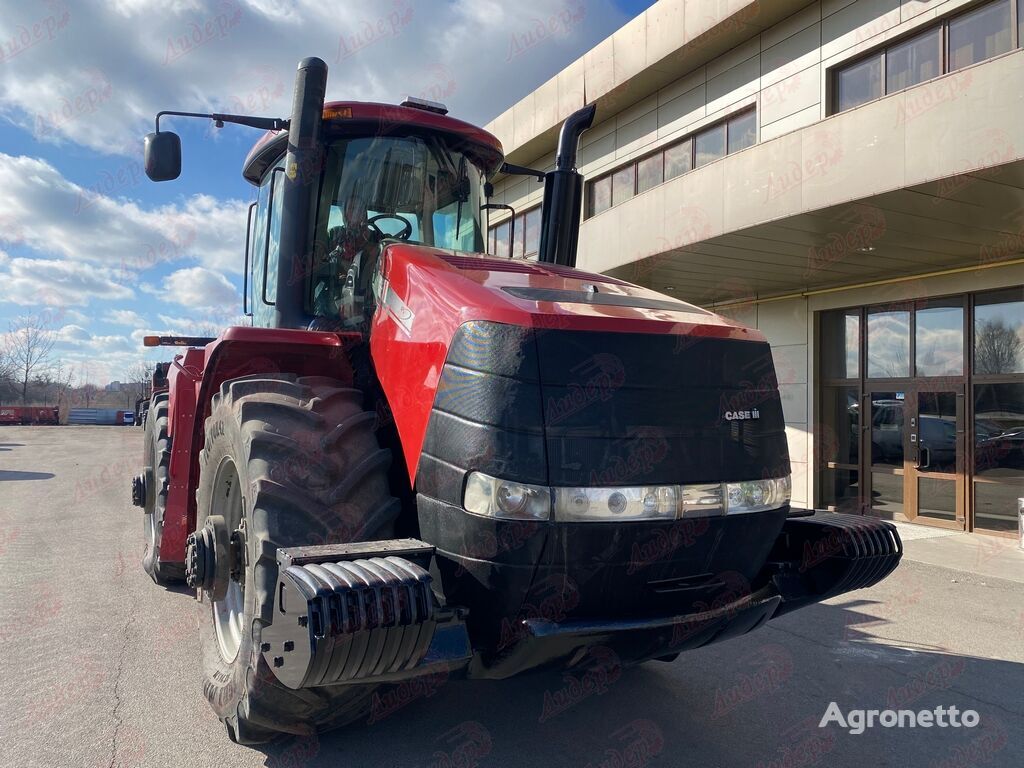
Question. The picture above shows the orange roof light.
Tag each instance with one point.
(151, 341)
(337, 113)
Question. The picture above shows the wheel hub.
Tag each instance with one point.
(207, 565)
(139, 490)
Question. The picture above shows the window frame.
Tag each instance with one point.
(881, 51)
(970, 380)
(520, 230)
(691, 138)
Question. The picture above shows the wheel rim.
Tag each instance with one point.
(228, 614)
(149, 530)
(148, 526)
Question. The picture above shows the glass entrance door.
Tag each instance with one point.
(935, 485)
(915, 454)
(886, 437)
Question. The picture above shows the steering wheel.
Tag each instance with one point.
(404, 234)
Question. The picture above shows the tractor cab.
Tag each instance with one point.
(386, 173)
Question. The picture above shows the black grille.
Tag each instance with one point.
(567, 408)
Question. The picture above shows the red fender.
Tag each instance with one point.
(196, 376)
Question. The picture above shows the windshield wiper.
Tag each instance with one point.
(463, 184)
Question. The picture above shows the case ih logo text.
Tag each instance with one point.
(742, 415)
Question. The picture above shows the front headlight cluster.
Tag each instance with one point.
(508, 500)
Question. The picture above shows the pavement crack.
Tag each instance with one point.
(116, 711)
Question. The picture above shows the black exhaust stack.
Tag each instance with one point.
(563, 194)
(301, 184)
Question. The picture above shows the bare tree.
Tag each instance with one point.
(29, 343)
(61, 378)
(139, 378)
(140, 373)
(85, 389)
(998, 348)
(7, 386)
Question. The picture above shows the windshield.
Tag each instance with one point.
(411, 188)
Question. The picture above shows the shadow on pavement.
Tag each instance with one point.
(8, 446)
(756, 700)
(11, 474)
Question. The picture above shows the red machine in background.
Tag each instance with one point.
(424, 461)
(29, 414)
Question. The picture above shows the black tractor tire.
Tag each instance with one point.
(297, 462)
(157, 452)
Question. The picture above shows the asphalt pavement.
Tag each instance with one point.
(100, 666)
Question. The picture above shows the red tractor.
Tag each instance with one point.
(421, 461)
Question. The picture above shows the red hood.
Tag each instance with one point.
(479, 288)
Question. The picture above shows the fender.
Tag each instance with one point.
(198, 374)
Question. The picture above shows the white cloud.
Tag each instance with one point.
(201, 289)
(57, 217)
(113, 66)
(73, 333)
(57, 283)
(124, 317)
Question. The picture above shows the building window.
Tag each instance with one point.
(730, 135)
(858, 83)
(939, 338)
(980, 34)
(971, 37)
(922, 428)
(742, 131)
(914, 61)
(840, 344)
(679, 158)
(527, 236)
(888, 344)
(998, 454)
(531, 232)
(650, 172)
(599, 196)
(623, 184)
(500, 248)
(999, 333)
(709, 145)
(1020, 23)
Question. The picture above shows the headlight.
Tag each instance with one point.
(491, 497)
(505, 499)
(756, 495)
(702, 500)
(655, 502)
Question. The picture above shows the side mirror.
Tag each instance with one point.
(163, 156)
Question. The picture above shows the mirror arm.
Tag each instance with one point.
(266, 123)
(519, 170)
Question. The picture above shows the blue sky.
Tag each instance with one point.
(110, 256)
